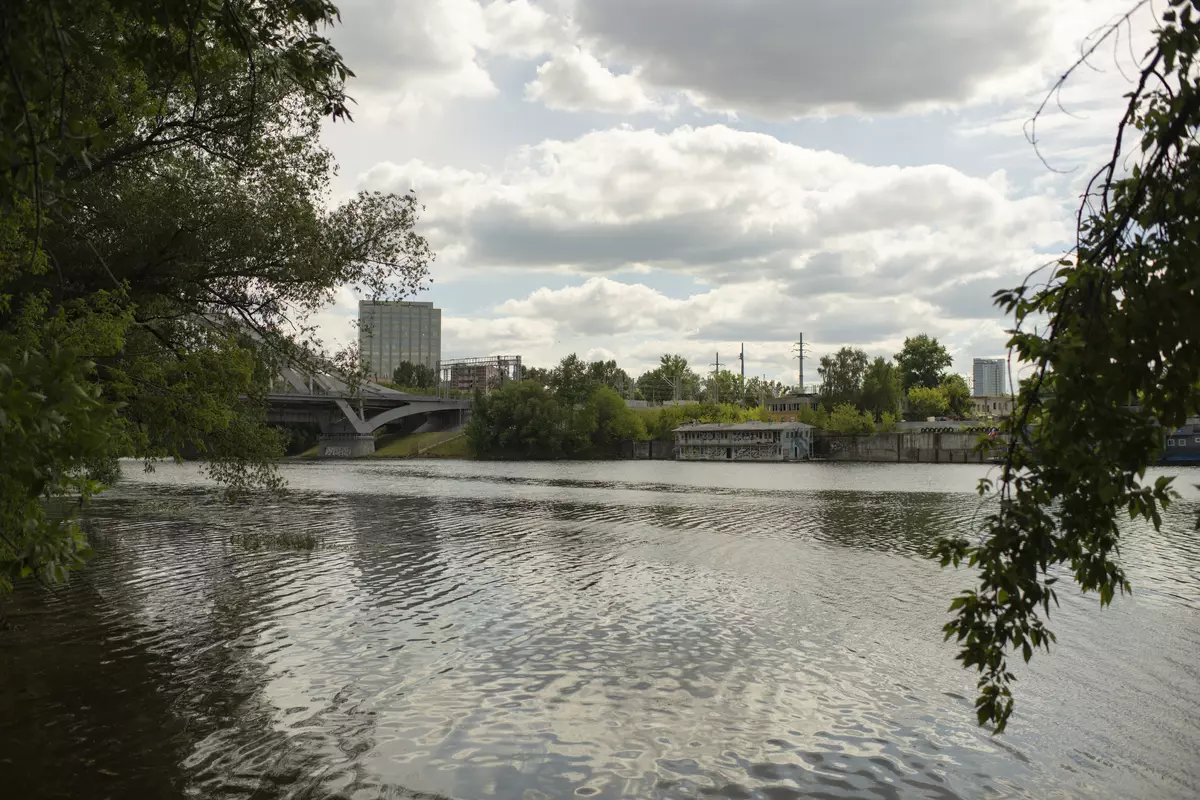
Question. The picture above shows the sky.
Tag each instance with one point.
(627, 178)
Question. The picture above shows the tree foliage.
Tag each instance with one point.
(166, 234)
(520, 419)
(661, 423)
(523, 419)
(958, 394)
(759, 390)
(613, 418)
(882, 388)
(607, 373)
(414, 376)
(570, 381)
(1122, 324)
(924, 403)
(922, 360)
(842, 376)
(672, 379)
(538, 375)
(847, 419)
(724, 386)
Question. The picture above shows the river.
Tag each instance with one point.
(555, 630)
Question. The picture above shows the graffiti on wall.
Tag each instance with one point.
(721, 453)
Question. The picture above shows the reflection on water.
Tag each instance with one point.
(596, 630)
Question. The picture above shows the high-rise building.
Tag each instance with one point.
(988, 377)
(390, 332)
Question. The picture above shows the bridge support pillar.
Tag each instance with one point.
(345, 445)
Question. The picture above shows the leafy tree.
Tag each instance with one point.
(922, 361)
(615, 421)
(817, 417)
(607, 373)
(414, 376)
(673, 365)
(882, 388)
(661, 422)
(536, 374)
(672, 379)
(165, 222)
(958, 395)
(842, 376)
(924, 403)
(758, 391)
(887, 422)
(570, 381)
(91, 87)
(520, 419)
(847, 419)
(724, 386)
(1122, 323)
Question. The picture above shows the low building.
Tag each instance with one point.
(788, 407)
(744, 441)
(792, 402)
(1182, 445)
(995, 405)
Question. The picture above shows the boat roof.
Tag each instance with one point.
(743, 426)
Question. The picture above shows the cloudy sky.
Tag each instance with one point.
(624, 178)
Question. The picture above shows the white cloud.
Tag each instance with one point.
(464, 337)
(409, 58)
(575, 80)
(521, 29)
(599, 306)
(725, 206)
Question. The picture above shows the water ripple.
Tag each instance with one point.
(608, 631)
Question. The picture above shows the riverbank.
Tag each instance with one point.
(431, 444)
(901, 447)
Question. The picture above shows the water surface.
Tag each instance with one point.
(551, 630)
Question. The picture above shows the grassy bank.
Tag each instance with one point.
(409, 446)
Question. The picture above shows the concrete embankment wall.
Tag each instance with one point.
(925, 448)
(647, 450)
(900, 447)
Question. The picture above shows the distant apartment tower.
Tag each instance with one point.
(390, 332)
(988, 377)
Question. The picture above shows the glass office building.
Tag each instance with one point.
(988, 377)
(396, 331)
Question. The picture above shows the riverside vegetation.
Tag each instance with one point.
(166, 232)
(575, 411)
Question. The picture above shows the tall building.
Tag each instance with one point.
(988, 377)
(390, 332)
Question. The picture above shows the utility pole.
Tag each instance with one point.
(798, 349)
(742, 388)
(674, 384)
(717, 380)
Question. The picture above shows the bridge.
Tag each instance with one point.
(348, 417)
